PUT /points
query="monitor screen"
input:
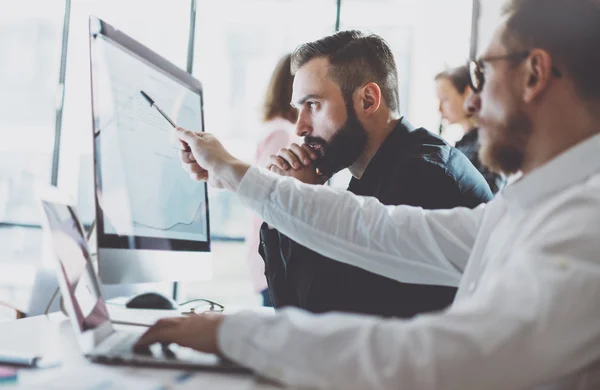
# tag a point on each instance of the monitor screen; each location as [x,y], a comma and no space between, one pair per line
[75,267]
[145,200]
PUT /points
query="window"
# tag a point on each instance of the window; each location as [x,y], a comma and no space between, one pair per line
[30,47]
[21,257]
[426,36]
[237,46]
[163,26]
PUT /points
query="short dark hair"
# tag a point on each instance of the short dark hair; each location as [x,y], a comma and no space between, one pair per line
[459,77]
[355,58]
[279,93]
[569,30]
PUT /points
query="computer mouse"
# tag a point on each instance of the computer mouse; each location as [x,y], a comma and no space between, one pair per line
[151,300]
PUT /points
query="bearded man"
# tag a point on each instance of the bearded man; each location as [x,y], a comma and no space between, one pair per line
[346,92]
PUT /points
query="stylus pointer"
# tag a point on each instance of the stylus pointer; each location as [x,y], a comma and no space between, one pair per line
[152,104]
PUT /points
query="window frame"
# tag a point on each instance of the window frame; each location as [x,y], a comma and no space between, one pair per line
[476,15]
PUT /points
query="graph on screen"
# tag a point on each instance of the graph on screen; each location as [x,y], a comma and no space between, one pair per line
[145,190]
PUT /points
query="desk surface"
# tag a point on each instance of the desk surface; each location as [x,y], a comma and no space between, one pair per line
[53,336]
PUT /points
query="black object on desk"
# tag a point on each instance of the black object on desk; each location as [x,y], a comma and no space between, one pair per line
[158,301]
[151,300]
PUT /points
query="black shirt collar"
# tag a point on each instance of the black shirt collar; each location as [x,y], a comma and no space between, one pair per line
[470,137]
[381,162]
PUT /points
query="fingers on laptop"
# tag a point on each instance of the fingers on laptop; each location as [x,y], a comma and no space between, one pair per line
[164,331]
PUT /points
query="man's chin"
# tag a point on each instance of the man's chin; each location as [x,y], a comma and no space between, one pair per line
[487,158]
[505,159]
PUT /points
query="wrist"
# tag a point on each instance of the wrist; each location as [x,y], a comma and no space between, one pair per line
[217,322]
[231,173]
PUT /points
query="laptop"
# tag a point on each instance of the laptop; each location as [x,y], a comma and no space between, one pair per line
[79,284]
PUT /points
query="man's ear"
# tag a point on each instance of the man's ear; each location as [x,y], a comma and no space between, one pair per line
[369,98]
[538,74]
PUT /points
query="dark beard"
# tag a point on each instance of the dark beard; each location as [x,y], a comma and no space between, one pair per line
[504,151]
[347,144]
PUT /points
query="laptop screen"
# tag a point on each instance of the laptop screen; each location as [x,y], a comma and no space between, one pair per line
[76,270]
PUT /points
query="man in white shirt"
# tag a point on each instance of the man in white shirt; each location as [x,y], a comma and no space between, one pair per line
[527,312]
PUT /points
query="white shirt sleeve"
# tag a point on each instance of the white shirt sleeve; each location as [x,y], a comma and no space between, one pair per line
[534,319]
[404,243]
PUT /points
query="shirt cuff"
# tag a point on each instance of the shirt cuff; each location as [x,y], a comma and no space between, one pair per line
[235,341]
[256,186]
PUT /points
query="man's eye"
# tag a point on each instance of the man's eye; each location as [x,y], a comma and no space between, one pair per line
[311,105]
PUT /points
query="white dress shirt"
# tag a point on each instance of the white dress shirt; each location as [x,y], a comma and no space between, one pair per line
[526,315]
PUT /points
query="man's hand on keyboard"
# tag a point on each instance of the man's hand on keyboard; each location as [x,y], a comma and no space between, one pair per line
[198,332]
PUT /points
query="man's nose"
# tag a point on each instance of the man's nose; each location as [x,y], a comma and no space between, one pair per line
[303,127]
[473,103]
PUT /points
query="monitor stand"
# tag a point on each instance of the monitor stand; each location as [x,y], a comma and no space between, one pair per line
[173,289]
[111,291]
[116,292]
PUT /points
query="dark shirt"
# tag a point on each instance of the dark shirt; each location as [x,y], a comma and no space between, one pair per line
[412,167]
[469,145]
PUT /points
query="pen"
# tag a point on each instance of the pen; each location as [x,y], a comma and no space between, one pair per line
[152,104]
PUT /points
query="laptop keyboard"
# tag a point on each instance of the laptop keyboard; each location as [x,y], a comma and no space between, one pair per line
[119,344]
[118,349]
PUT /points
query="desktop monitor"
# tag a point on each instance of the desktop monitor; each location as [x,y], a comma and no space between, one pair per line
[152,220]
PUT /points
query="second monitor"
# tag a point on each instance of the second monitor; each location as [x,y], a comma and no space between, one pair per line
[152,219]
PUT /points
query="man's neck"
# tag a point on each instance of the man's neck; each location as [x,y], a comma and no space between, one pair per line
[376,136]
[554,135]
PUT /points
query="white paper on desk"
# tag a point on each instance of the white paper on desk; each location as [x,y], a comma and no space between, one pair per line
[99,377]
[211,380]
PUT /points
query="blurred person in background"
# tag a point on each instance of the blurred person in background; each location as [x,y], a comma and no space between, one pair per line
[452,90]
[279,125]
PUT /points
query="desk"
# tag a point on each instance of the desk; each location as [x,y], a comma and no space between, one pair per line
[53,336]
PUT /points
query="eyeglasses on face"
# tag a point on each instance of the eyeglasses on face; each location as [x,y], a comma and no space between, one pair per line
[476,67]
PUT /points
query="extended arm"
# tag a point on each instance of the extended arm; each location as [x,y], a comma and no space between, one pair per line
[403,243]
[533,319]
